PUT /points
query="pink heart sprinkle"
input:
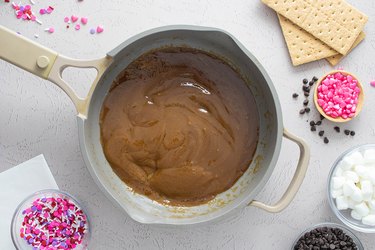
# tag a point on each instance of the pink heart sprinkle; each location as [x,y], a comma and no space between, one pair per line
[66,19]
[42,11]
[77,27]
[74,18]
[84,20]
[99,29]
[372,83]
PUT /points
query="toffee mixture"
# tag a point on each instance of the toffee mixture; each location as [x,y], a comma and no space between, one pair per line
[179,125]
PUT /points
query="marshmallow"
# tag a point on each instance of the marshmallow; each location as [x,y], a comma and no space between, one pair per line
[336,193]
[345,164]
[338,172]
[371,175]
[362,209]
[354,158]
[357,195]
[342,203]
[348,188]
[351,203]
[337,182]
[367,190]
[369,155]
[369,220]
[371,205]
[351,176]
[355,215]
[361,171]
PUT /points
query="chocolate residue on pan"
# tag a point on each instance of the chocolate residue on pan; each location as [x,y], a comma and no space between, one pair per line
[179,125]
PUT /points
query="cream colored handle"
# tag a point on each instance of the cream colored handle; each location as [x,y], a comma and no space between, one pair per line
[26,54]
[299,175]
[47,64]
[62,63]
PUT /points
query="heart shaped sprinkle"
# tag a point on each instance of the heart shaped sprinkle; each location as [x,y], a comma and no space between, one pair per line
[74,18]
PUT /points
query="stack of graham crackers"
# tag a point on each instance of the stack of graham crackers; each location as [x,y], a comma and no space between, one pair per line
[317,29]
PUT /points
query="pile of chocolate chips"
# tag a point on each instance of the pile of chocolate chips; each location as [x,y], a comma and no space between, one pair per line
[325,238]
[306,88]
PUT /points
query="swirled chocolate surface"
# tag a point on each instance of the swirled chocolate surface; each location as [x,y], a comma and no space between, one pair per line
[179,125]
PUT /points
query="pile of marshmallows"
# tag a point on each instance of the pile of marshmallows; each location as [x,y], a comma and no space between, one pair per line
[353,185]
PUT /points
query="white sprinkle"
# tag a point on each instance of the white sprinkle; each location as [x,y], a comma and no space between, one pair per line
[32,2]
[38,21]
[36,35]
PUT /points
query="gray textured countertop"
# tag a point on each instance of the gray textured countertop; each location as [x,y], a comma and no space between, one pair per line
[37,117]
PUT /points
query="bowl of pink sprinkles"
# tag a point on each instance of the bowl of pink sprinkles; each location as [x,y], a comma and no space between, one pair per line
[339,96]
[48,220]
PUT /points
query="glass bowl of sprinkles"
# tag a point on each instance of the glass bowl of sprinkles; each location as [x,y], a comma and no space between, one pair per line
[50,219]
[339,96]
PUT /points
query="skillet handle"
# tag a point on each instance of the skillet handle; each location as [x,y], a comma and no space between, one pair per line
[47,64]
[296,181]
[62,62]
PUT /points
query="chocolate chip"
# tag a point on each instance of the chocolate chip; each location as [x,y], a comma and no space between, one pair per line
[305,102]
[312,123]
[315,78]
[337,129]
[352,133]
[302,111]
[307,110]
[295,95]
[318,123]
[321,132]
[313,128]
[305,81]
[311,83]
[347,131]
[306,88]
[322,117]
[306,94]
[326,140]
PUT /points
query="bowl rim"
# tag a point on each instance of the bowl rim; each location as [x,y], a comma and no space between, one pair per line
[333,207]
[361,96]
[49,191]
[346,230]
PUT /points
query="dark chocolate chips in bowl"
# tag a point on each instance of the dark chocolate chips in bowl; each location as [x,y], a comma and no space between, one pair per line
[325,237]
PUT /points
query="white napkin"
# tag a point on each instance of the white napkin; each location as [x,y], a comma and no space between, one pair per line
[15,185]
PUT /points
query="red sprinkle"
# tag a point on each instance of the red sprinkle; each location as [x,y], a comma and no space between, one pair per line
[338,95]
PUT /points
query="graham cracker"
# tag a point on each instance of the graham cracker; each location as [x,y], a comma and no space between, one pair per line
[321,18]
[335,59]
[304,47]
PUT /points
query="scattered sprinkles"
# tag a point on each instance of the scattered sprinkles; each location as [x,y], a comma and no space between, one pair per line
[53,223]
[84,20]
[99,29]
[25,12]
[50,30]
[46,11]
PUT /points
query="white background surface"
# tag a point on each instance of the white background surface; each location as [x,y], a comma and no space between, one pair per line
[37,117]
